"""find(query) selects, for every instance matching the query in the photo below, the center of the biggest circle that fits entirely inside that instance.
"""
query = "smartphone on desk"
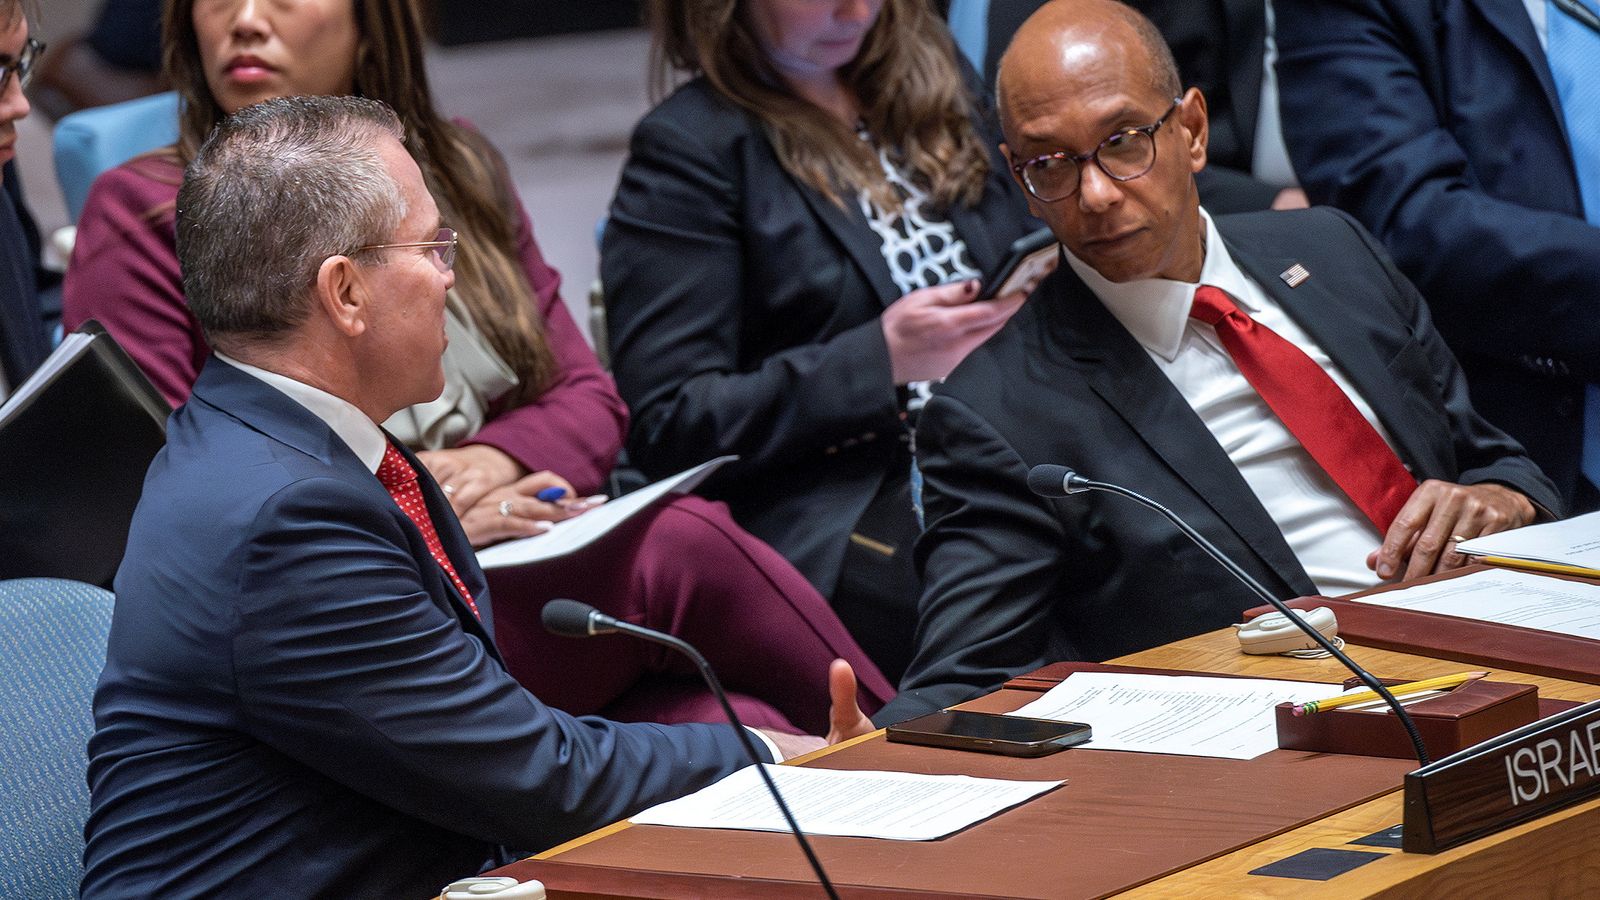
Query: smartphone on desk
(1030, 258)
(990, 733)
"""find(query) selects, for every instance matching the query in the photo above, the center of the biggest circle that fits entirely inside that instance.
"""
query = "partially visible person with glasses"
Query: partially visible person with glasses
(24, 339)
(528, 427)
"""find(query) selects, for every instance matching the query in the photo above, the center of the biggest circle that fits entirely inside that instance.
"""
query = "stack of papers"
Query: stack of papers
(1571, 546)
(1509, 598)
(576, 533)
(896, 806)
(1189, 715)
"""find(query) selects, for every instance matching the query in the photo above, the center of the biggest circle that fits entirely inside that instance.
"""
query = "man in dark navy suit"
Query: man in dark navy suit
(1270, 376)
(1466, 135)
(302, 696)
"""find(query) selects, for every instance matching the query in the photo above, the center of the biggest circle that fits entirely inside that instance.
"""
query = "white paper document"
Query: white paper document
(1508, 597)
(897, 806)
(1570, 542)
(1190, 715)
(580, 531)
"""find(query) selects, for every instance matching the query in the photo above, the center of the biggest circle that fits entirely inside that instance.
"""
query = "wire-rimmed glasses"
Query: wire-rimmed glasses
(443, 247)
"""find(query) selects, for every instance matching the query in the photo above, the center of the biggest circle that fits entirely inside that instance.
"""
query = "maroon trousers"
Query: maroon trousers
(683, 567)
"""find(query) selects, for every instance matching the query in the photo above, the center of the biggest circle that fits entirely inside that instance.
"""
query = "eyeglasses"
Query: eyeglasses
(443, 247)
(1123, 156)
(23, 67)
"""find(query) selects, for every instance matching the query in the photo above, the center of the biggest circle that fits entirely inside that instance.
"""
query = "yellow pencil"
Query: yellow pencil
(1539, 566)
(1399, 690)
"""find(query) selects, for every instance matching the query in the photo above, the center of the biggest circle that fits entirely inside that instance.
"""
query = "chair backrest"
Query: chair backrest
(91, 141)
(969, 25)
(52, 647)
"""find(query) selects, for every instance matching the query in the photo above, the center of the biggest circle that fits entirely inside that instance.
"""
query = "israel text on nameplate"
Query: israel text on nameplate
(1517, 776)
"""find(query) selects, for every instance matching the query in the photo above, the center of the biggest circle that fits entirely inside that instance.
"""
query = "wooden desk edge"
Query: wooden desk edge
(1219, 650)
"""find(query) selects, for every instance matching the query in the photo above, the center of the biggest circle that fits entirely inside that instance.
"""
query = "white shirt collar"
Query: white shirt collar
(1156, 310)
(359, 432)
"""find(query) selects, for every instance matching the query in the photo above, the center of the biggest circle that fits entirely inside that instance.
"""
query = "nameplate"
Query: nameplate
(1517, 776)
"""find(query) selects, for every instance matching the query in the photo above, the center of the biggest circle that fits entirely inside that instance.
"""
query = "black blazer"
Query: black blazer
(24, 343)
(743, 314)
(1437, 125)
(1013, 581)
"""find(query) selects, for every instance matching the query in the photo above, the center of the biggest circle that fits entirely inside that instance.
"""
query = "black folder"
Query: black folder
(75, 442)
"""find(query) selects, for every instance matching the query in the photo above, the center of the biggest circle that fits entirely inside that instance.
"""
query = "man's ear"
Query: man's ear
(1033, 202)
(341, 295)
(1191, 114)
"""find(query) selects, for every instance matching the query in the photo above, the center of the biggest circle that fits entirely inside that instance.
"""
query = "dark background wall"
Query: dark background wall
(470, 21)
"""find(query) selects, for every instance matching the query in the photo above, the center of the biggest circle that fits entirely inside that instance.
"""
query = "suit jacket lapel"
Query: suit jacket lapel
(1341, 330)
(856, 238)
(1510, 18)
(1120, 370)
(272, 413)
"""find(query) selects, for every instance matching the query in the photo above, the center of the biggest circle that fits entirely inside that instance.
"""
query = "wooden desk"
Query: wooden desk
(1550, 857)
(1553, 856)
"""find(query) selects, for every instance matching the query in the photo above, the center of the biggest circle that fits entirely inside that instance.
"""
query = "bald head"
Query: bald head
(1104, 139)
(1076, 35)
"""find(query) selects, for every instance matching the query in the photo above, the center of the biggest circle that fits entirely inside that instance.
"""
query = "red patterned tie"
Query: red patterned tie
(1313, 407)
(401, 480)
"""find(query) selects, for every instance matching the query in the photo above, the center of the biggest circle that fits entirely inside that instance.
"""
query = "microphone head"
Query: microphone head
(568, 618)
(1052, 481)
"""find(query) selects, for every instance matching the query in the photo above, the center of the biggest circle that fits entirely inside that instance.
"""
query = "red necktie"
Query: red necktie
(401, 480)
(1313, 407)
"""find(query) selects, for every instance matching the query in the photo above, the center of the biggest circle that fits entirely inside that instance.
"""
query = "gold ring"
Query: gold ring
(1457, 538)
(505, 508)
(448, 489)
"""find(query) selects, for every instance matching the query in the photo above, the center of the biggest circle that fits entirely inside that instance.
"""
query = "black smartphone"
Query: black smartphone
(1031, 256)
(990, 733)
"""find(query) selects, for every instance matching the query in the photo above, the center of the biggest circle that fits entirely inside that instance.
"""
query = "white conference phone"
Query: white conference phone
(1274, 633)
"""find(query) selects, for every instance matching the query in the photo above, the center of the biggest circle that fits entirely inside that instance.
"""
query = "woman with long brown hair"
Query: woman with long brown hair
(526, 406)
(792, 255)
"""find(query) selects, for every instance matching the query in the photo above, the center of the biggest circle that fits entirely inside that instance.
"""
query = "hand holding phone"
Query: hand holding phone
(1030, 259)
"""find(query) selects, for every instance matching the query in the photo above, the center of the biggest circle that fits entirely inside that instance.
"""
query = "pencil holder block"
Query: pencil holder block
(1470, 714)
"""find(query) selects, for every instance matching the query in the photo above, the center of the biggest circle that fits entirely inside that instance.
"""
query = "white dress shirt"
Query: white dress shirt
(1326, 530)
(359, 432)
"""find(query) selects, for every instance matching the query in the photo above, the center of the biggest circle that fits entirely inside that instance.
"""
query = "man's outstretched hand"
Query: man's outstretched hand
(845, 718)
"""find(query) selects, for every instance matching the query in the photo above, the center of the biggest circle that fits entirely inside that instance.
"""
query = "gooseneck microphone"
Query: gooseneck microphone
(1059, 481)
(569, 618)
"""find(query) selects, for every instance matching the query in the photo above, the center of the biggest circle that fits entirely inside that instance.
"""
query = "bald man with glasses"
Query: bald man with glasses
(1270, 376)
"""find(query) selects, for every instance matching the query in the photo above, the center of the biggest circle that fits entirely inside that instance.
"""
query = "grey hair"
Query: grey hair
(275, 190)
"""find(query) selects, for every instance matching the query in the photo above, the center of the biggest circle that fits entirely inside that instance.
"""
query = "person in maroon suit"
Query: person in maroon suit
(526, 405)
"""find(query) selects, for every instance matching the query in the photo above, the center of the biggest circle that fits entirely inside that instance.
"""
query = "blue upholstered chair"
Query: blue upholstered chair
(91, 141)
(969, 25)
(52, 648)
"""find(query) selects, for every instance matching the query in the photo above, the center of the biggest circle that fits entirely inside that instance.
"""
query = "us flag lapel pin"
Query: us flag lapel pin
(1295, 275)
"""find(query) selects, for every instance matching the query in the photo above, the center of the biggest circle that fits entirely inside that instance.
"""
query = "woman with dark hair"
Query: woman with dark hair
(526, 406)
(792, 254)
